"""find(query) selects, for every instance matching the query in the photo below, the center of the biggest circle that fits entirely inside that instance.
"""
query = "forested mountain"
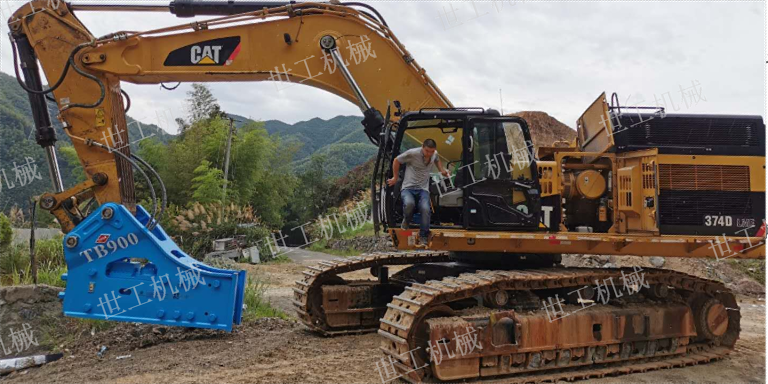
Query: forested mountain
(317, 134)
(340, 158)
(340, 140)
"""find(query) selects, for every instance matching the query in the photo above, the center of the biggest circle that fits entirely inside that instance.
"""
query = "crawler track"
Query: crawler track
(308, 291)
(413, 314)
(406, 317)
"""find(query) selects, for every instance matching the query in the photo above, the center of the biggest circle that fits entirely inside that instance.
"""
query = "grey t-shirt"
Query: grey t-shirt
(417, 171)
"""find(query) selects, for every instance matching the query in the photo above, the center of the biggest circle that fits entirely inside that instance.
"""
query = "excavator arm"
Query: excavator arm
(293, 43)
(334, 47)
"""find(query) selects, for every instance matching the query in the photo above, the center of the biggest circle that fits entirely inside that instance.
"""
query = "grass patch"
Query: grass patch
(350, 220)
(340, 219)
(255, 304)
(365, 230)
(48, 273)
(15, 268)
(752, 268)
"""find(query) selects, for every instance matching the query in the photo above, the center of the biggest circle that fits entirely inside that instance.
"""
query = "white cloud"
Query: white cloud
(549, 56)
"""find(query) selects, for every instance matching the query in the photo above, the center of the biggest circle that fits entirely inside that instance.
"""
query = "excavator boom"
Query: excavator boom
(277, 43)
(332, 47)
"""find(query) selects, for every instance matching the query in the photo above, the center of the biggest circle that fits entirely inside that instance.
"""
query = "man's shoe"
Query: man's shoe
(404, 224)
(424, 241)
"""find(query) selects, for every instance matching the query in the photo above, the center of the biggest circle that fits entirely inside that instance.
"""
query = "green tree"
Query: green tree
(176, 163)
(261, 172)
(260, 167)
(207, 183)
(202, 104)
(6, 232)
(157, 155)
(312, 195)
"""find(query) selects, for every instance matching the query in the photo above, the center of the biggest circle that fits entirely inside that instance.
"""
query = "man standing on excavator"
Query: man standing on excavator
(415, 188)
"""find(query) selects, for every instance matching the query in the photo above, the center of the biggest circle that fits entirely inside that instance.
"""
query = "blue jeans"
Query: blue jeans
(410, 198)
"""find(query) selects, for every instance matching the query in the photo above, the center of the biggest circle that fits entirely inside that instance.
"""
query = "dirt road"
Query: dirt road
(282, 351)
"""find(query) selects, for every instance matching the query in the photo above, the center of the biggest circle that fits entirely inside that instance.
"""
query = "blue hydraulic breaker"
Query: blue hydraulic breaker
(120, 270)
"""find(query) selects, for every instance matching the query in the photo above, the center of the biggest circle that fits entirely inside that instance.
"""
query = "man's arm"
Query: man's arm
(440, 168)
(395, 173)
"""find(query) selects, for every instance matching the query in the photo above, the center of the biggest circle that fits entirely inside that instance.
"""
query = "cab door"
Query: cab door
(500, 178)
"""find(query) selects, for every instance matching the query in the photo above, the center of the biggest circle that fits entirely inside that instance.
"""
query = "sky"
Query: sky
(556, 57)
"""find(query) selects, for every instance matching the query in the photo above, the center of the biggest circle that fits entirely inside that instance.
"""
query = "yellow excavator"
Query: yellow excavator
(485, 296)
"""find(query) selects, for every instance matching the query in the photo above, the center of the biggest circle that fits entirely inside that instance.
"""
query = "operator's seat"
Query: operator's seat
(453, 198)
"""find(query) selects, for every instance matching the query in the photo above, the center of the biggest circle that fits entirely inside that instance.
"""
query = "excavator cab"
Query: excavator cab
(493, 183)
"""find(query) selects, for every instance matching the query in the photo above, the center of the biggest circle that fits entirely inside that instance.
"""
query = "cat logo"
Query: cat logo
(216, 52)
(205, 55)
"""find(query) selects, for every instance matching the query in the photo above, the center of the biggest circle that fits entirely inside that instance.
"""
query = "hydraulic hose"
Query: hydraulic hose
(141, 171)
(164, 202)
